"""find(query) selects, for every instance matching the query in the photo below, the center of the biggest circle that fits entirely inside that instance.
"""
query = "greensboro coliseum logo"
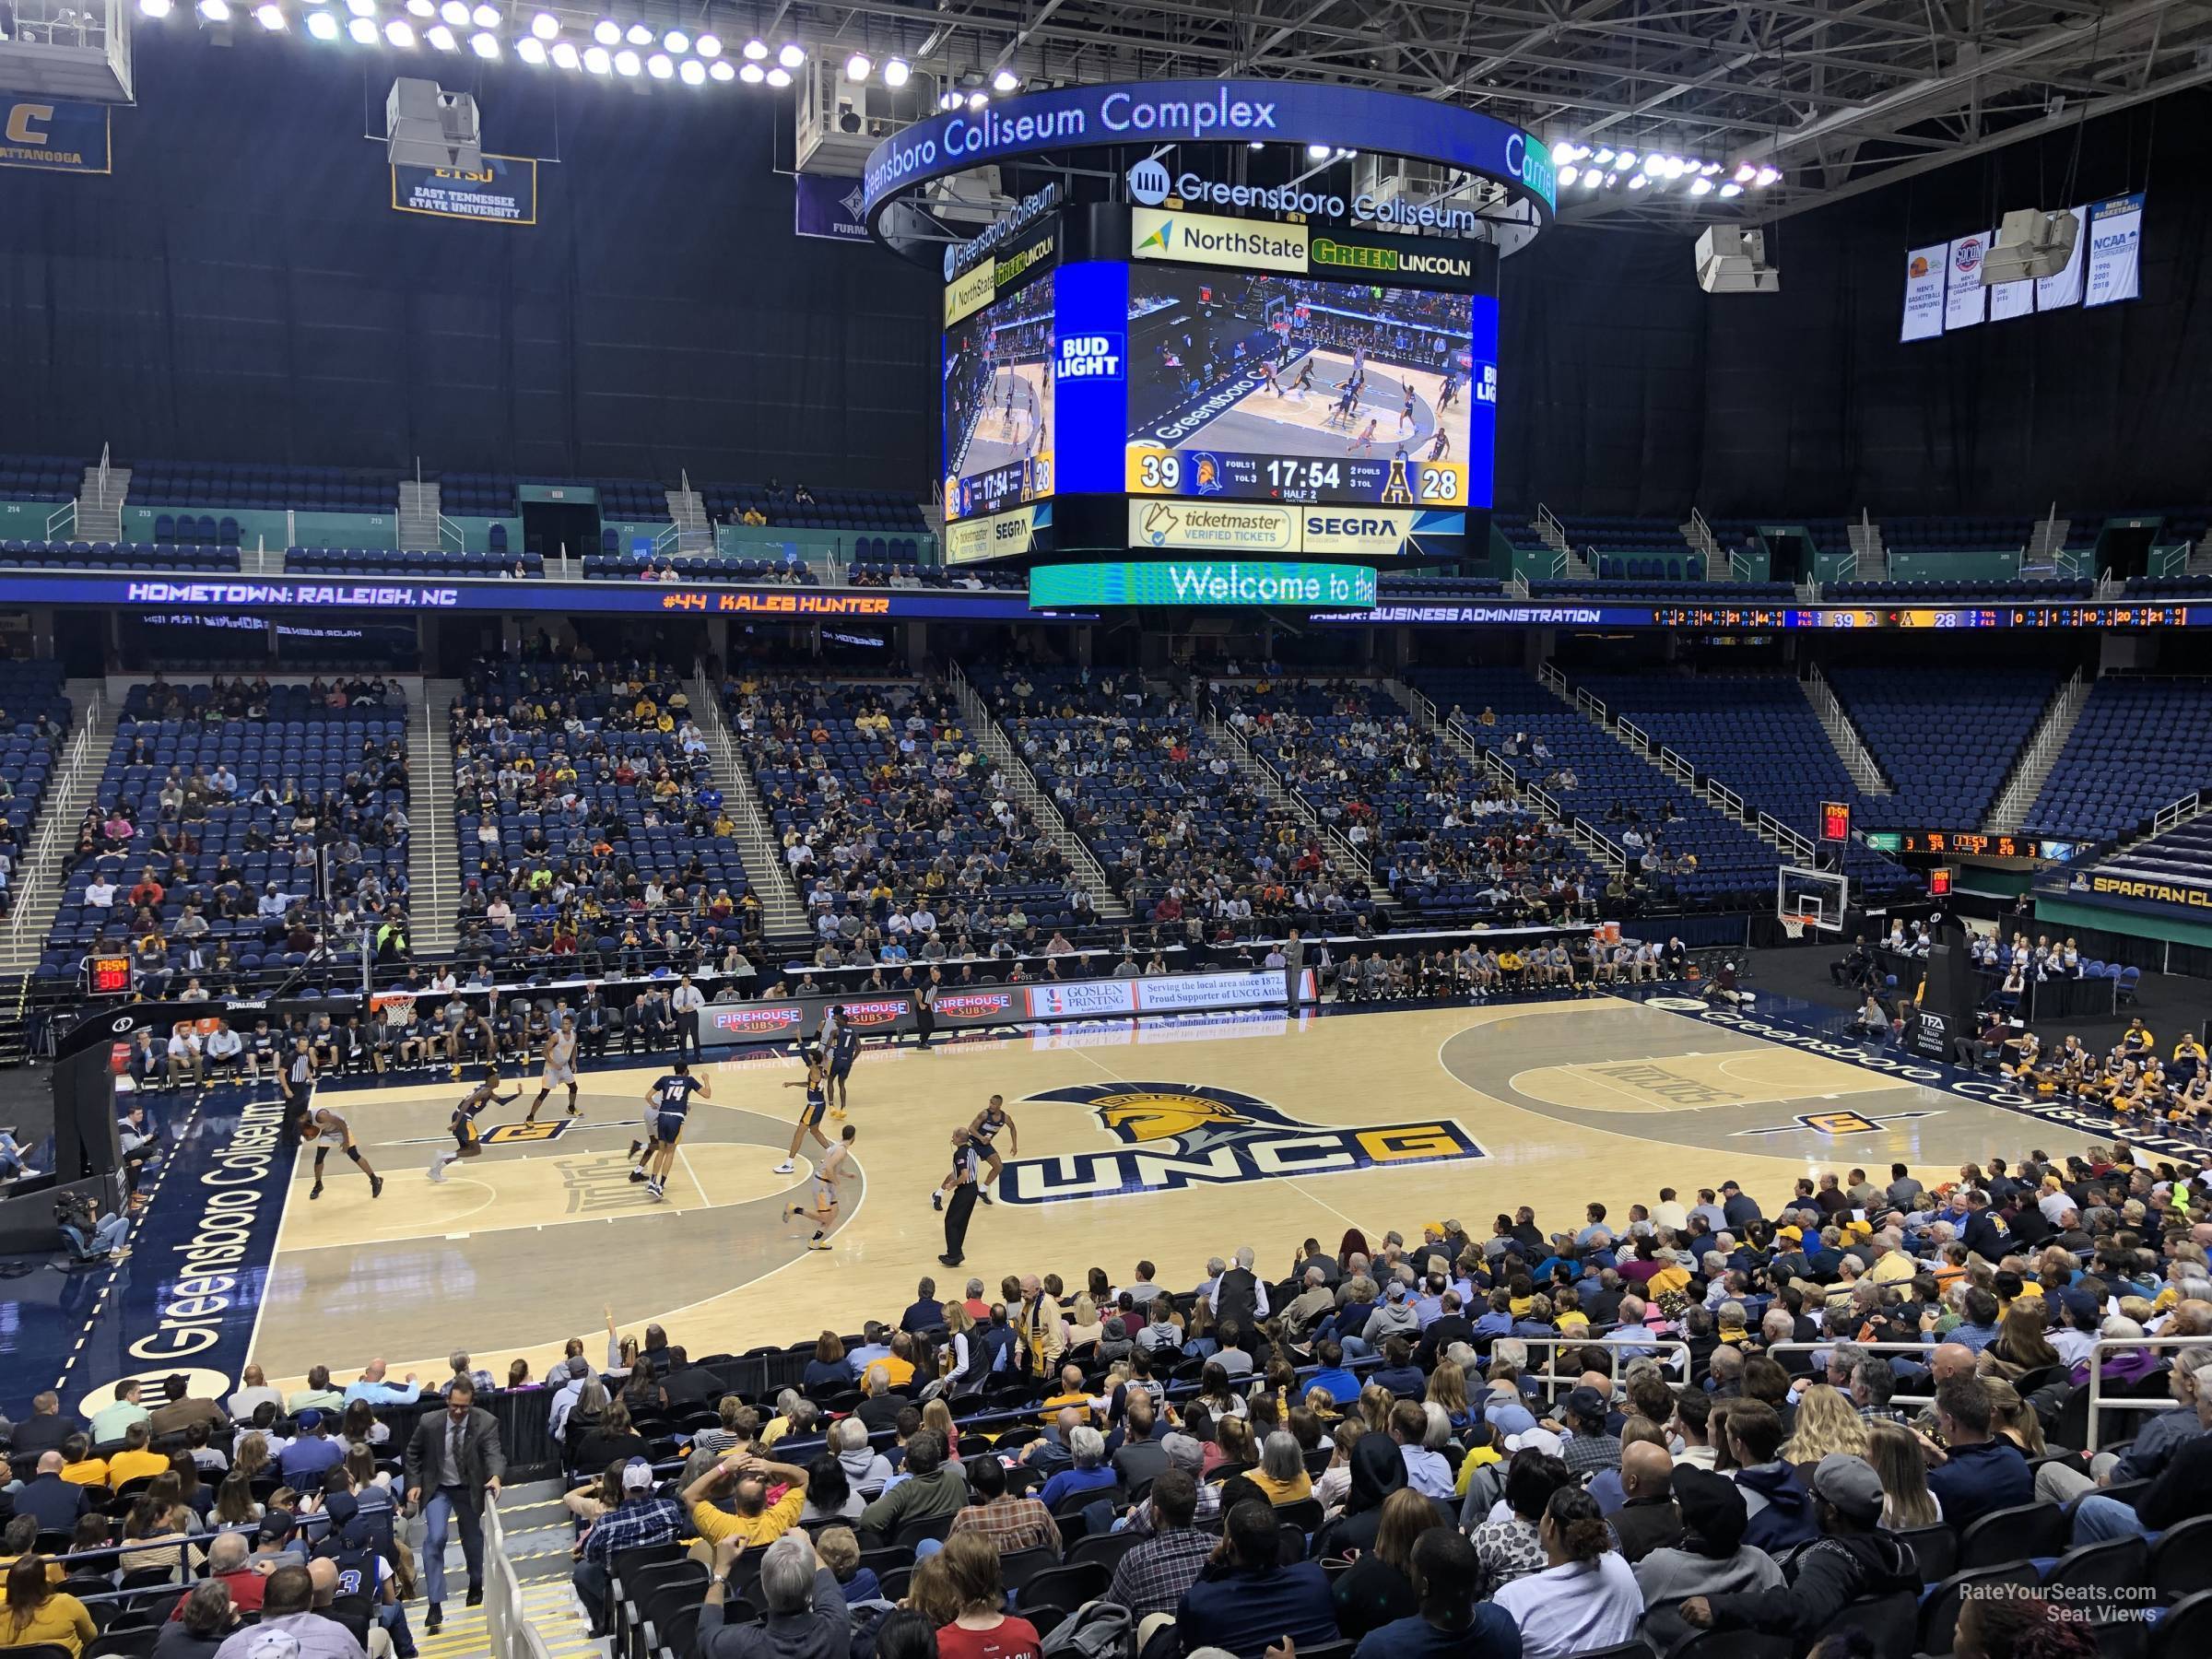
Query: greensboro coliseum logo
(1182, 1135)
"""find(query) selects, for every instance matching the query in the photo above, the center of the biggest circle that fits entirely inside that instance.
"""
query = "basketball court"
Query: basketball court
(1174, 1141)
(1295, 423)
(1007, 431)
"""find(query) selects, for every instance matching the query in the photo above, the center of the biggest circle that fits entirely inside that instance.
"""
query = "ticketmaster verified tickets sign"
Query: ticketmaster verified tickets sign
(1200, 111)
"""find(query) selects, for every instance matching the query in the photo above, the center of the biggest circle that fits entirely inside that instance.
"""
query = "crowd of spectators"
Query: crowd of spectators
(1183, 837)
(903, 843)
(1706, 1413)
(592, 830)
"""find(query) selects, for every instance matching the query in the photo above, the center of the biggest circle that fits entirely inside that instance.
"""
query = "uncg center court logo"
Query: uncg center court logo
(1182, 1135)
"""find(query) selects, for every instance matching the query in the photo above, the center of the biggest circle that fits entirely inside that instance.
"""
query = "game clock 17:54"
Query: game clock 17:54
(1388, 479)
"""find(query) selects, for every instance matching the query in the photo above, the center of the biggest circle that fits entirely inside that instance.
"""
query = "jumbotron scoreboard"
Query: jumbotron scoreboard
(1163, 383)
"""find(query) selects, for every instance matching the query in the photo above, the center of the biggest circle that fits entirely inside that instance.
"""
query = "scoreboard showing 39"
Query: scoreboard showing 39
(1348, 370)
(1268, 388)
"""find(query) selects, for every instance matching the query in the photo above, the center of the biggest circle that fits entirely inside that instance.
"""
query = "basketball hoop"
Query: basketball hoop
(1794, 926)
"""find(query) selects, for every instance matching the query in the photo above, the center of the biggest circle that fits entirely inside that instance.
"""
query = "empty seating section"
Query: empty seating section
(586, 807)
(118, 556)
(1182, 834)
(1939, 591)
(1635, 549)
(2181, 857)
(1688, 591)
(1617, 794)
(53, 478)
(1946, 738)
(808, 508)
(687, 567)
(2138, 744)
(387, 562)
(627, 499)
(228, 796)
(1446, 837)
(250, 487)
(1930, 534)
(1389, 587)
(34, 719)
(1759, 735)
(880, 800)
(485, 495)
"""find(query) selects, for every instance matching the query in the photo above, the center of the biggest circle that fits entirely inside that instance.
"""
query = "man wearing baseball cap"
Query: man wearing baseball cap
(641, 1518)
(1853, 1556)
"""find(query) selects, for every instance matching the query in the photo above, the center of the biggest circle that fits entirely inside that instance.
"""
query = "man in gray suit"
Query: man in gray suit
(454, 1463)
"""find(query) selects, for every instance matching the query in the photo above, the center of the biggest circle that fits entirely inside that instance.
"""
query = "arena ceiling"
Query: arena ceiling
(1842, 98)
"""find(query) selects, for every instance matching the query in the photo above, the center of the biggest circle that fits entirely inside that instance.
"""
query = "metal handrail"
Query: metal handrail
(39, 867)
(1619, 1337)
(1025, 783)
(1634, 734)
(1924, 1349)
(2098, 1404)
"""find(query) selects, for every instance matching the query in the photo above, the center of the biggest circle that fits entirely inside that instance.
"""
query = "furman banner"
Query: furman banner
(46, 137)
(828, 207)
(504, 192)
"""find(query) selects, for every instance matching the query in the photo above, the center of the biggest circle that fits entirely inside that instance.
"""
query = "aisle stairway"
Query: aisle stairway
(538, 1540)
(433, 870)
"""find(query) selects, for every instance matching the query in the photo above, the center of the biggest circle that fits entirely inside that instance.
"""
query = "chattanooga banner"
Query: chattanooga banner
(46, 137)
(962, 1006)
(503, 193)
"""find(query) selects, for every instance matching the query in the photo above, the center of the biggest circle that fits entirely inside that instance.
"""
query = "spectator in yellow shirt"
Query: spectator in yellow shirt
(135, 1460)
(36, 1612)
(79, 1468)
(746, 1480)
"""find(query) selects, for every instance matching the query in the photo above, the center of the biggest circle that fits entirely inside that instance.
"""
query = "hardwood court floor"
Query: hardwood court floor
(1172, 1143)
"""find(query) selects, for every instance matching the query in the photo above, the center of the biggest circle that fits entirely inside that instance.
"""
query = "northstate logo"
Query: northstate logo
(1182, 1135)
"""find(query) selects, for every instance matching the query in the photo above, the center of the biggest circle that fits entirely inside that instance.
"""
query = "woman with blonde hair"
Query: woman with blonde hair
(250, 1457)
(2013, 1417)
(1379, 1588)
(1448, 1388)
(936, 1414)
(1826, 1422)
(1375, 1402)
(1894, 1451)
(930, 1591)
(2019, 1346)
(1337, 1479)
(1231, 1446)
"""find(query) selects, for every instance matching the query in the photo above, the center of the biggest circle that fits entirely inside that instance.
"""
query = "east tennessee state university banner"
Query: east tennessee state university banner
(47, 137)
(503, 193)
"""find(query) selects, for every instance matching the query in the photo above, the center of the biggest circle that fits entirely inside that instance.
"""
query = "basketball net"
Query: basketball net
(1794, 926)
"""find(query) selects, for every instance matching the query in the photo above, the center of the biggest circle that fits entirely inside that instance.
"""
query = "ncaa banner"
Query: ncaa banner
(1923, 292)
(828, 207)
(503, 193)
(45, 136)
(1964, 297)
(2116, 251)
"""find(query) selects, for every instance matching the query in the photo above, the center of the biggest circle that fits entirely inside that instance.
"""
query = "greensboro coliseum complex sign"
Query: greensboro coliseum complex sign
(1041, 124)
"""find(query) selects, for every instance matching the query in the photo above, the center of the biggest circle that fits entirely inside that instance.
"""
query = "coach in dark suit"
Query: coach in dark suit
(453, 1464)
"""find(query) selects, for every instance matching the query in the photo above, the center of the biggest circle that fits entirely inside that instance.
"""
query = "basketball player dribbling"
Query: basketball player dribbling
(466, 1142)
(835, 1165)
(669, 1103)
(561, 1068)
(1366, 441)
(971, 1146)
(1442, 446)
(331, 1130)
(810, 1116)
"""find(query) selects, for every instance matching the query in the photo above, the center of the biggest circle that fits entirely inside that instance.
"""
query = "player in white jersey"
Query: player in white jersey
(560, 1068)
(327, 1129)
(834, 1165)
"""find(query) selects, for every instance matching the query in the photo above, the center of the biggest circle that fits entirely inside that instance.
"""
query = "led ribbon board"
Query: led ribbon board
(1200, 111)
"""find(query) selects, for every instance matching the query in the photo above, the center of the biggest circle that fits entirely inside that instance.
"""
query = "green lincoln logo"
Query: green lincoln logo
(1327, 252)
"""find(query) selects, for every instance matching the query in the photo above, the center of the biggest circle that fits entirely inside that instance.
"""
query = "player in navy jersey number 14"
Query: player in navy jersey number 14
(667, 1105)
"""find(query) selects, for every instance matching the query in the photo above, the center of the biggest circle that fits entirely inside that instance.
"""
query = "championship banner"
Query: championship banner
(2114, 269)
(2054, 293)
(1963, 293)
(45, 136)
(504, 192)
(828, 207)
(1923, 292)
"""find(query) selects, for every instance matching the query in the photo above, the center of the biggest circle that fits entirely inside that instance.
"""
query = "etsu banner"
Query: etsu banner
(828, 207)
(54, 137)
(504, 192)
